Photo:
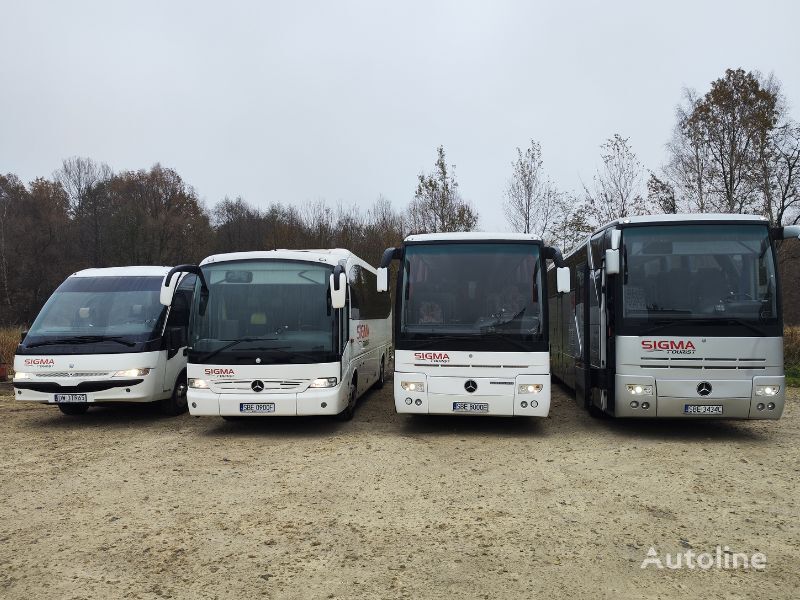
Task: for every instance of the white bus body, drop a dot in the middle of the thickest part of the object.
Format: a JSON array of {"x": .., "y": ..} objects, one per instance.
[
  {"x": 285, "y": 332},
  {"x": 471, "y": 324},
  {"x": 103, "y": 337},
  {"x": 674, "y": 316}
]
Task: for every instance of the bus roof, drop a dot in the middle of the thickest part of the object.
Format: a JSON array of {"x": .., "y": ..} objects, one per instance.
[
  {"x": 684, "y": 218},
  {"x": 137, "y": 271},
  {"x": 471, "y": 236},
  {"x": 331, "y": 256}
]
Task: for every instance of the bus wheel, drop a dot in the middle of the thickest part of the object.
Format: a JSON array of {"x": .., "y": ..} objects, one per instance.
[
  {"x": 175, "y": 404},
  {"x": 381, "y": 375},
  {"x": 595, "y": 412},
  {"x": 74, "y": 409},
  {"x": 350, "y": 409}
]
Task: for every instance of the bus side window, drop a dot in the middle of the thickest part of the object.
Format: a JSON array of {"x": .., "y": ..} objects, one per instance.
[
  {"x": 181, "y": 303},
  {"x": 356, "y": 292}
]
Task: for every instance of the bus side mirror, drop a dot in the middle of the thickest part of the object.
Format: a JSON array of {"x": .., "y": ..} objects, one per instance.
[
  {"x": 168, "y": 290},
  {"x": 612, "y": 262},
  {"x": 22, "y": 336},
  {"x": 383, "y": 279},
  {"x": 562, "y": 280},
  {"x": 338, "y": 290},
  {"x": 791, "y": 231}
]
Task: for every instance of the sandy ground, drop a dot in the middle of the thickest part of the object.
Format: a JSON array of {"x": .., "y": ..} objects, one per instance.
[{"x": 123, "y": 503}]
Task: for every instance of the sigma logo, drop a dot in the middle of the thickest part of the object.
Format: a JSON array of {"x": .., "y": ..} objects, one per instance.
[
  {"x": 436, "y": 357},
  {"x": 669, "y": 346},
  {"x": 39, "y": 362},
  {"x": 362, "y": 331},
  {"x": 219, "y": 372}
]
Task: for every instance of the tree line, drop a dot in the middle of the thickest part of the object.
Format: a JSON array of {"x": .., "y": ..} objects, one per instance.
[{"x": 734, "y": 149}]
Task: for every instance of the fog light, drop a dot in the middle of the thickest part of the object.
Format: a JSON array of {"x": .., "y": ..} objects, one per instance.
[
  {"x": 634, "y": 404},
  {"x": 418, "y": 402},
  {"x": 638, "y": 389},
  {"x": 409, "y": 401},
  {"x": 771, "y": 406},
  {"x": 534, "y": 404},
  {"x": 530, "y": 388},
  {"x": 198, "y": 384},
  {"x": 767, "y": 390},
  {"x": 412, "y": 386},
  {"x": 760, "y": 406},
  {"x": 324, "y": 405},
  {"x": 645, "y": 405},
  {"x": 523, "y": 404},
  {"x": 194, "y": 404}
]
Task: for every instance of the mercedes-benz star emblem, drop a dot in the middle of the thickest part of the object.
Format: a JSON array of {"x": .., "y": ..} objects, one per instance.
[
  {"x": 257, "y": 386},
  {"x": 704, "y": 388},
  {"x": 470, "y": 385}
]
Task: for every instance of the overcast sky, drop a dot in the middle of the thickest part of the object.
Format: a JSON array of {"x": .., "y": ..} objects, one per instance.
[{"x": 343, "y": 101}]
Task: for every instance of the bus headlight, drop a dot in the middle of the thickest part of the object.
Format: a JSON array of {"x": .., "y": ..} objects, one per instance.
[
  {"x": 637, "y": 389},
  {"x": 198, "y": 384},
  {"x": 19, "y": 375},
  {"x": 132, "y": 373},
  {"x": 530, "y": 388},
  {"x": 767, "y": 390},
  {"x": 324, "y": 382},
  {"x": 412, "y": 386}
]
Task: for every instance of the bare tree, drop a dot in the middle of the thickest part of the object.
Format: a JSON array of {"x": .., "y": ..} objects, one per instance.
[
  {"x": 732, "y": 121},
  {"x": 661, "y": 194},
  {"x": 616, "y": 191},
  {"x": 532, "y": 201},
  {"x": 437, "y": 205},
  {"x": 687, "y": 169}
]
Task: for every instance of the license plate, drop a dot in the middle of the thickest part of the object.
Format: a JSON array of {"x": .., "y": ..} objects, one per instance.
[
  {"x": 257, "y": 407},
  {"x": 702, "y": 409},
  {"x": 470, "y": 407},
  {"x": 69, "y": 398}
]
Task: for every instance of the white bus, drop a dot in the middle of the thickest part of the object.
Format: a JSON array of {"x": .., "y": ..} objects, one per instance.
[
  {"x": 471, "y": 323},
  {"x": 285, "y": 332},
  {"x": 674, "y": 316},
  {"x": 103, "y": 337}
]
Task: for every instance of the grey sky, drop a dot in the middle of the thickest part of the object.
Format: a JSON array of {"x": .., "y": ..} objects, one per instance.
[{"x": 348, "y": 100}]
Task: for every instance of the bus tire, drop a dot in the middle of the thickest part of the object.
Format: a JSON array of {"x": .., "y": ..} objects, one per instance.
[
  {"x": 597, "y": 413},
  {"x": 381, "y": 374},
  {"x": 350, "y": 409},
  {"x": 176, "y": 404},
  {"x": 74, "y": 410}
]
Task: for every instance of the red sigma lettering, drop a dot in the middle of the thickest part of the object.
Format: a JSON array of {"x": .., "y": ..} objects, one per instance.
[
  {"x": 653, "y": 345},
  {"x": 40, "y": 361},
  {"x": 219, "y": 372},
  {"x": 431, "y": 356}
]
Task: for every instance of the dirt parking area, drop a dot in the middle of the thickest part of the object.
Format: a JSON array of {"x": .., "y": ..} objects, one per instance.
[{"x": 124, "y": 503}]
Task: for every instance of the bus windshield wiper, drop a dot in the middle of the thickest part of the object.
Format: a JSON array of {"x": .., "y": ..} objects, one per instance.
[
  {"x": 83, "y": 339},
  {"x": 231, "y": 345}
]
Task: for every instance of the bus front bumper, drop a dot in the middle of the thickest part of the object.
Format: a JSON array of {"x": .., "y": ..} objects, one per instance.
[
  {"x": 493, "y": 396},
  {"x": 142, "y": 389},
  {"x": 692, "y": 398},
  {"x": 323, "y": 401}
]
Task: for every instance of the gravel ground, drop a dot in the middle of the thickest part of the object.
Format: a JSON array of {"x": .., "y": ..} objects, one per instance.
[{"x": 123, "y": 503}]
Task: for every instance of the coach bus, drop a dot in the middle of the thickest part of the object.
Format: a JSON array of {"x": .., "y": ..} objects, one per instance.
[
  {"x": 104, "y": 338},
  {"x": 284, "y": 332},
  {"x": 470, "y": 323},
  {"x": 674, "y": 316}
]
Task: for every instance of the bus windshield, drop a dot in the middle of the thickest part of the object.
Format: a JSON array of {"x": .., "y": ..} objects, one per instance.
[
  {"x": 115, "y": 312},
  {"x": 473, "y": 291},
  {"x": 274, "y": 311},
  {"x": 706, "y": 274}
]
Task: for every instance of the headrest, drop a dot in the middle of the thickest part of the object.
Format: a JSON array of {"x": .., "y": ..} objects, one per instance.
[
  {"x": 84, "y": 311},
  {"x": 136, "y": 309},
  {"x": 258, "y": 318}
]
